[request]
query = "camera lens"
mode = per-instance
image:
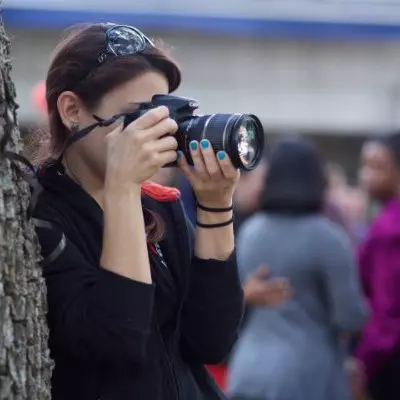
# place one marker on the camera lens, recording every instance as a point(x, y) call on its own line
point(241, 136)
point(247, 141)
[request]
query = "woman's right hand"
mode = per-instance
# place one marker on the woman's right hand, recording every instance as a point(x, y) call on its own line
point(136, 153)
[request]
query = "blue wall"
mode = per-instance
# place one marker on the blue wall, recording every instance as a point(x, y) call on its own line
point(56, 19)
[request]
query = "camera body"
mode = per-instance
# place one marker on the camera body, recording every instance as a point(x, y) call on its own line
point(241, 136)
point(181, 109)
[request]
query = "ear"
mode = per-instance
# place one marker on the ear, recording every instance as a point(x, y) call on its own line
point(69, 108)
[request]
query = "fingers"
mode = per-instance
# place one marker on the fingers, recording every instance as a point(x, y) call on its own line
point(166, 157)
point(280, 285)
point(208, 165)
point(152, 125)
point(198, 161)
point(165, 127)
point(150, 118)
point(262, 272)
point(277, 291)
point(164, 144)
point(211, 164)
point(186, 168)
point(163, 151)
point(226, 166)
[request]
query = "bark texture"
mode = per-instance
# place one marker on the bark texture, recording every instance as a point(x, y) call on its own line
point(24, 361)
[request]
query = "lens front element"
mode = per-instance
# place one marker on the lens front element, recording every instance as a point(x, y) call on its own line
point(247, 142)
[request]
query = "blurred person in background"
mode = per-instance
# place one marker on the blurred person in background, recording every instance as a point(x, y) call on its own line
point(335, 214)
point(348, 203)
point(294, 351)
point(246, 198)
point(337, 198)
point(337, 182)
point(356, 210)
point(259, 288)
point(378, 349)
point(135, 306)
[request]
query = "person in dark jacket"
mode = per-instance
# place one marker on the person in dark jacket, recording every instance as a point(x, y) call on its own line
point(138, 301)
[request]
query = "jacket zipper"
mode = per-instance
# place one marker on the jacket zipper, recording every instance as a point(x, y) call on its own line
point(181, 218)
point(173, 373)
point(171, 370)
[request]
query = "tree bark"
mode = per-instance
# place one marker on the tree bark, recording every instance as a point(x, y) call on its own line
point(24, 361)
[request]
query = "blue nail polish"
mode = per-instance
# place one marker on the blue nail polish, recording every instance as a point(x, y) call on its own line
point(193, 145)
point(178, 154)
point(205, 144)
point(221, 155)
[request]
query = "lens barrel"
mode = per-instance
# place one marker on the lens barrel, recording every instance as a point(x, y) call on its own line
point(241, 136)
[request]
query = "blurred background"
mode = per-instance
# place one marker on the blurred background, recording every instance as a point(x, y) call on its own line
point(329, 69)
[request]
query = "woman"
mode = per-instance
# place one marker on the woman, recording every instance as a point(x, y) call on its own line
point(133, 313)
point(379, 259)
point(294, 351)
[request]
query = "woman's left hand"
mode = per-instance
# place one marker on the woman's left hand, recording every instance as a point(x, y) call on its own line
point(213, 177)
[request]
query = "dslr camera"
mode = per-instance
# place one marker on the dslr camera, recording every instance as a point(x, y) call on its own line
point(241, 136)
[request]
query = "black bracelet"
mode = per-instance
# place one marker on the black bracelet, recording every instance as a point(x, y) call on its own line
point(210, 226)
point(216, 210)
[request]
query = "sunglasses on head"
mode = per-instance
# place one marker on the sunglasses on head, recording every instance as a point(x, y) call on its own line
point(124, 40)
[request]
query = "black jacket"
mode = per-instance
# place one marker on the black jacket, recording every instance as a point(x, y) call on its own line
point(113, 338)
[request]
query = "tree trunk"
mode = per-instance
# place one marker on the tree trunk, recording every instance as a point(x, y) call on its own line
point(24, 362)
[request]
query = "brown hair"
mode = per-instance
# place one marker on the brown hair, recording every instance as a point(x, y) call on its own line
point(75, 67)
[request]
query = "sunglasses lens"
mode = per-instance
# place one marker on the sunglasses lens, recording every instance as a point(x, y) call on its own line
point(126, 41)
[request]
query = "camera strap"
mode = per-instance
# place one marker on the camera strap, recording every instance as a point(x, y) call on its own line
point(23, 167)
point(128, 116)
point(85, 131)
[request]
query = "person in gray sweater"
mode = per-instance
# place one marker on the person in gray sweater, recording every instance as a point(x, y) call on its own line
point(296, 350)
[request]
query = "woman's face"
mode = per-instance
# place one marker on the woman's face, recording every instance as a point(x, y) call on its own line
point(379, 173)
point(92, 149)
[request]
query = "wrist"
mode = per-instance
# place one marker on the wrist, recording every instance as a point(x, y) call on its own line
point(214, 212)
point(205, 217)
point(113, 187)
point(115, 193)
point(216, 204)
point(214, 209)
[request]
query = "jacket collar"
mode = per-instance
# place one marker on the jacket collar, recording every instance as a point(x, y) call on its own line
point(61, 185)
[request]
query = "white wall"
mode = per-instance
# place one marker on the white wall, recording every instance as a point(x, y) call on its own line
point(344, 87)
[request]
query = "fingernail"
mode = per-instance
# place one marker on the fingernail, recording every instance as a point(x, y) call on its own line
point(205, 143)
point(221, 155)
point(178, 154)
point(193, 145)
